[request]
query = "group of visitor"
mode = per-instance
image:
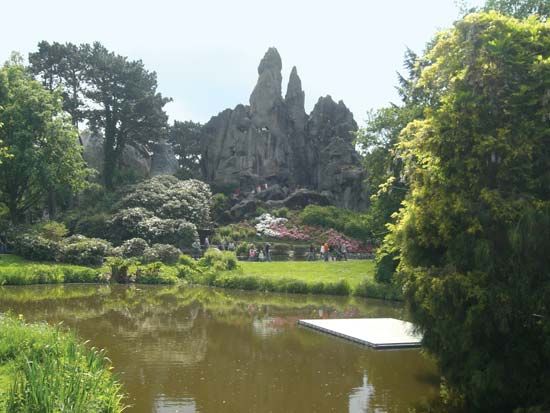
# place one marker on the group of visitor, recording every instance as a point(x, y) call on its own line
point(224, 245)
point(259, 254)
point(328, 252)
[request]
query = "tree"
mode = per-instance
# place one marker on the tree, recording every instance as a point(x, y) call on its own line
point(186, 138)
point(129, 109)
point(41, 143)
point(118, 98)
point(473, 233)
point(63, 66)
point(520, 8)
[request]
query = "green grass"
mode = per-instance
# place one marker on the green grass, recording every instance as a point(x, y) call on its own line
point(43, 369)
point(353, 271)
point(15, 270)
point(318, 277)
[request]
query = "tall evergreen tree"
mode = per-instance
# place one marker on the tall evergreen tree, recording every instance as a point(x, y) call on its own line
point(473, 236)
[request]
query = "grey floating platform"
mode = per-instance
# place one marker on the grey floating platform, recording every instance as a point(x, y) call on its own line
point(379, 333)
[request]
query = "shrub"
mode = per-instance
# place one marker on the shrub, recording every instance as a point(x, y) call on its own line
point(125, 224)
point(386, 264)
point(168, 231)
point(83, 251)
point(242, 248)
point(220, 206)
point(281, 212)
point(219, 260)
point(153, 274)
point(52, 230)
point(134, 247)
point(35, 247)
point(371, 289)
point(93, 225)
point(171, 198)
point(164, 253)
point(119, 269)
point(350, 223)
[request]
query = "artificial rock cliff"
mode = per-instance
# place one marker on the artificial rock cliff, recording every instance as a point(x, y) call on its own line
point(273, 141)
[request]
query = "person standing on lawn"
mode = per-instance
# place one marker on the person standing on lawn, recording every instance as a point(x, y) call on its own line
point(344, 251)
point(326, 251)
point(267, 251)
point(311, 254)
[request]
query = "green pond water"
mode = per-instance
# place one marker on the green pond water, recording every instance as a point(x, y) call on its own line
point(182, 349)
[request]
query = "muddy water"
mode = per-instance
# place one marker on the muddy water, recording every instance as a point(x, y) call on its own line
point(181, 349)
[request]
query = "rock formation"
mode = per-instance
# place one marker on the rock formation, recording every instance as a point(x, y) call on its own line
point(273, 141)
point(135, 159)
point(163, 161)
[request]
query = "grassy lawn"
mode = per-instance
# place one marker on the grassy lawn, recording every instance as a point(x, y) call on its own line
point(353, 271)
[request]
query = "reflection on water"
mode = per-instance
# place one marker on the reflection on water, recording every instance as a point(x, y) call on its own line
point(181, 349)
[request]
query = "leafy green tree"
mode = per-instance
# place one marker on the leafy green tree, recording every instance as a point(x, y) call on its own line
point(43, 152)
point(520, 8)
point(63, 66)
point(473, 233)
point(117, 97)
point(129, 110)
point(186, 138)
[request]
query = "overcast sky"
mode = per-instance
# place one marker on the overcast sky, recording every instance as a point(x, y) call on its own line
point(206, 53)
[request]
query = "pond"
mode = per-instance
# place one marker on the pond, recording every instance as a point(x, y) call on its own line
point(183, 349)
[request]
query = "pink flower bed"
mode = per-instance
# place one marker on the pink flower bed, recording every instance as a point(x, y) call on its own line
point(336, 238)
point(289, 233)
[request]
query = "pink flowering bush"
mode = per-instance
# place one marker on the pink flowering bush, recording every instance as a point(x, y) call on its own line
point(336, 238)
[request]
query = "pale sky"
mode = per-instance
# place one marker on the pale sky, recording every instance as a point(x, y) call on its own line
point(206, 53)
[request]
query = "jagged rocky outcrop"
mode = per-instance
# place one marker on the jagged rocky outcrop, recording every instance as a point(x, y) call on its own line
point(134, 158)
point(273, 141)
point(163, 161)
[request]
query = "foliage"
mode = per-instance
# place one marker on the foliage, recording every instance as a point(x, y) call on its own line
point(281, 212)
point(124, 105)
point(133, 248)
point(167, 197)
point(154, 273)
point(54, 372)
point(164, 253)
point(35, 247)
point(350, 223)
point(520, 8)
point(52, 230)
point(119, 269)
point(43, 153)
point(473, 234)
point(269, 226)
point(219, 260)
point(81, 250)
point(220, 207)
point(94, 225)
point(236, 232)
point(186, 139)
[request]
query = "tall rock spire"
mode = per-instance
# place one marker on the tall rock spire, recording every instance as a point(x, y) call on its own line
point(295, 99)
point(267, 93)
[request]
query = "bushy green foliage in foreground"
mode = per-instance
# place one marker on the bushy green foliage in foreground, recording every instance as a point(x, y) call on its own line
point(473, 236)
point(45, 370)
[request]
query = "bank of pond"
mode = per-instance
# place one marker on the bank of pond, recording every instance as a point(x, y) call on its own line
point(216, 269)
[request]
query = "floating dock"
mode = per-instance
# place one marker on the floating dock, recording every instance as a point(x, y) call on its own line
point(378, 333)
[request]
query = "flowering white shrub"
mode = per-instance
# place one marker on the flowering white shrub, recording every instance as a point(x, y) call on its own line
point(170, 198)
point(270, 226)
